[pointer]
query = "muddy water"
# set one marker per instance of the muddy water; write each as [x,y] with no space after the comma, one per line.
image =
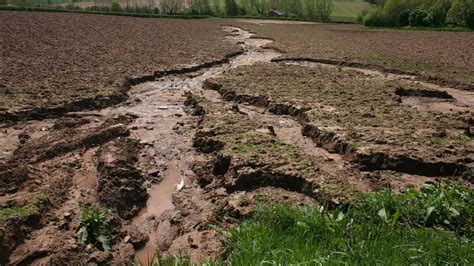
[166,130]
[463,100]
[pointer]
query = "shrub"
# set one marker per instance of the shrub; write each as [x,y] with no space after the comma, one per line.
[393,9]
[115,7]
[404,18]
[375,18]
[171,6]
[361,16]
[418,18]
[93,227]
[3,2]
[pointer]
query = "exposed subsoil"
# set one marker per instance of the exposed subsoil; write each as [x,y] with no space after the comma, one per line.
[196,148]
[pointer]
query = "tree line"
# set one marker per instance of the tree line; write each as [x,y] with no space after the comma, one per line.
[420,13]
[299,9]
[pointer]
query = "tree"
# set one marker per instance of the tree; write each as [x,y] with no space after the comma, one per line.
[231,8]
[324,9]
[200,7]
[461,13]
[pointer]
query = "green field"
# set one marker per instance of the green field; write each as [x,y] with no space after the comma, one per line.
[348,8]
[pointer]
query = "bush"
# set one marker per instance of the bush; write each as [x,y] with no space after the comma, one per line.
[3,2]
[418,18]
[437,14]
[361,16]
[115,7]
[393,9]
[375,18]
[461,13]
[171,7]
[404,18]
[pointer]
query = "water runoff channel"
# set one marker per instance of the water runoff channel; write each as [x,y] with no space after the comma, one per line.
[167,130]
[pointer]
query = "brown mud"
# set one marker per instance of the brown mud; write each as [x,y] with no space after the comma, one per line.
[173,162]
[111,157]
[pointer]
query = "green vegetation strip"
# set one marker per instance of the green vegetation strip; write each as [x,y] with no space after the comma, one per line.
[140,15]
[432,226]
[336,19]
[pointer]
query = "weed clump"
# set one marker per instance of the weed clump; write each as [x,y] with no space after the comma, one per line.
[94,227]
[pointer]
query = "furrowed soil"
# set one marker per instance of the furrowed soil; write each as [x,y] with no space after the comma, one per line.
[52,63]
[444,58]
[189,150]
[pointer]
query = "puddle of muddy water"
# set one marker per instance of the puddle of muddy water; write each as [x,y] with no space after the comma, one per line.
[159,201]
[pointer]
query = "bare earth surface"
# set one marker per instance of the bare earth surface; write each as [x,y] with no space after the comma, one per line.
[182,154]
[51,58]
[441,57]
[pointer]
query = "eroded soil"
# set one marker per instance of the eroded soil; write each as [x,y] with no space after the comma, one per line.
[444,58]
[194,149]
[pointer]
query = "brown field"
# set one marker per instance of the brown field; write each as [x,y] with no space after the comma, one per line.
[360,117]
[442,57]
[181,127]
[52,59]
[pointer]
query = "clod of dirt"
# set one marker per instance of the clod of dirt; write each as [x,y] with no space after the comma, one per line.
[134,236]
[120,183]
[12,175]
[69,122]
[400,91]
[192,105]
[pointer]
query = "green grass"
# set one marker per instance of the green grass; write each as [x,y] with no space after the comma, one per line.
[433,226]
[33,207]
[348,8]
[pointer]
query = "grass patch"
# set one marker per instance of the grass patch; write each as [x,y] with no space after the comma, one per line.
[431,226]
[33,207]
[348,8]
